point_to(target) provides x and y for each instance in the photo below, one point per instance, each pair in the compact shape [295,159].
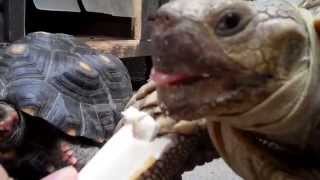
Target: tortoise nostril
[169,19]
[152,17]
[165,19]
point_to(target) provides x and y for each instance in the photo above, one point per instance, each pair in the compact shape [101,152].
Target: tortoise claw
[68,154]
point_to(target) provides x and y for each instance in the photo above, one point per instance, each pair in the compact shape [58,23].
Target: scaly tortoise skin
[251,70]
[191,147]
[63,91]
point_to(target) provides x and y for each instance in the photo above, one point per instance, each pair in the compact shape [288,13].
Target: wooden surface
[142,10]
[137,19]
[120,47]
[136,45]
[140,44]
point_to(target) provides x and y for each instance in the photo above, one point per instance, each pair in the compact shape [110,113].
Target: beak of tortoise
[9,120]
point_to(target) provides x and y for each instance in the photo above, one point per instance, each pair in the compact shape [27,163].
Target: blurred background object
[119,27]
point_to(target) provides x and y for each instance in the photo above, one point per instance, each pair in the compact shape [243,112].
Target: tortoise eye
[230,23]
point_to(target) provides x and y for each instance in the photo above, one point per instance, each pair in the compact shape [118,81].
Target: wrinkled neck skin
[296,102]
[293,122]
[283,116]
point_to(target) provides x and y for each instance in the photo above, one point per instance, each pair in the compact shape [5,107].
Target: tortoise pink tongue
[164,79]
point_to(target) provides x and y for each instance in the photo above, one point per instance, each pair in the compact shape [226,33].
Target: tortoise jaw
[192,97]
[253,157]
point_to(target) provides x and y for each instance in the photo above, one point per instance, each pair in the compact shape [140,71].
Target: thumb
[3,174]
[68,173]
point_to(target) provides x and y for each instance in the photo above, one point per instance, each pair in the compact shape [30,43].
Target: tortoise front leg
[186,153]
[191,143]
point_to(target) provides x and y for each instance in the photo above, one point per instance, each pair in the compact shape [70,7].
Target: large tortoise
[250,70]
[60,100]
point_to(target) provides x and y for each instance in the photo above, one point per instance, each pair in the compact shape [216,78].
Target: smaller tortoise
[60,100]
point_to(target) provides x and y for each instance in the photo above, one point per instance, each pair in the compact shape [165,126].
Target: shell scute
[68,84]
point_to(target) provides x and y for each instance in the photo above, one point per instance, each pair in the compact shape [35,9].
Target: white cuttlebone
[129,152]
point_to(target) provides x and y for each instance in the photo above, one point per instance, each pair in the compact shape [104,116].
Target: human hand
[3,174]
[68,173]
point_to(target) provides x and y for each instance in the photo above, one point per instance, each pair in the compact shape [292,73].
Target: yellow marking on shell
[30,111]
[85,67]
[18,49]
[148,165]
[72,132]
[105,59]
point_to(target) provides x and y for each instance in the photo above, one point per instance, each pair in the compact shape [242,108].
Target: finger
[68,173]
[3,174]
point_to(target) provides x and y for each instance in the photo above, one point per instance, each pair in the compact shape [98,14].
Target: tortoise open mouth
[196,95]
[255,157]
[180,81]
[164,79]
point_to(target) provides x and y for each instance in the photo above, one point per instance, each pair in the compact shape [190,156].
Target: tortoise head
[220,60]
[223,57]
[10,125]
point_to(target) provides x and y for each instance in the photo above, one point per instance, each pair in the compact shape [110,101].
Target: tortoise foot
[68,155]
